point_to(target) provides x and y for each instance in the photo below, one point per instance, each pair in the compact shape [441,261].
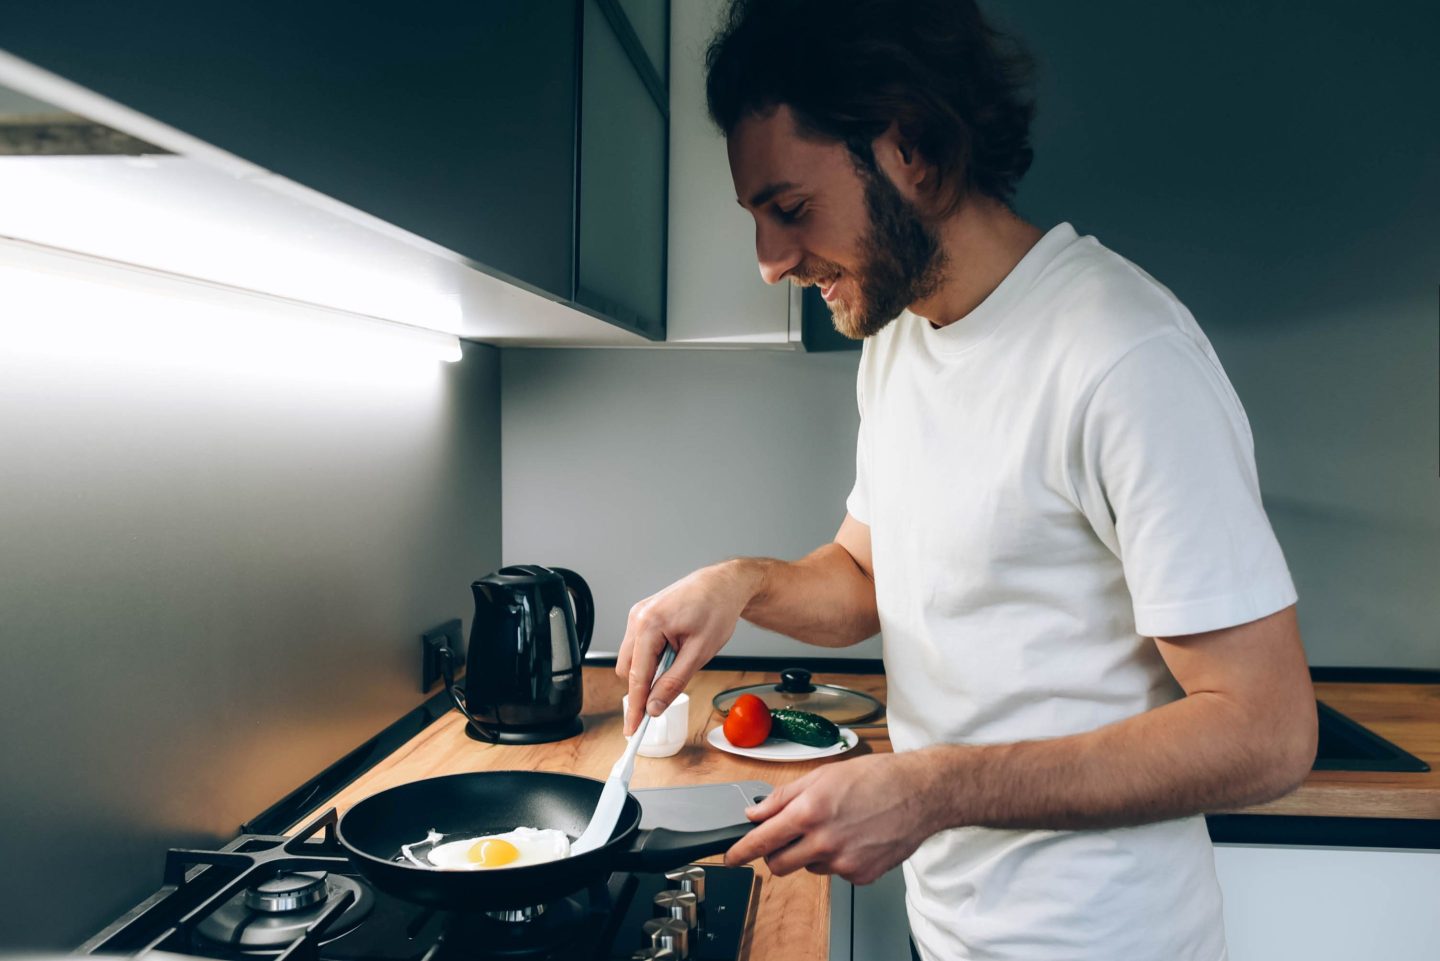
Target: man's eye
[790,214]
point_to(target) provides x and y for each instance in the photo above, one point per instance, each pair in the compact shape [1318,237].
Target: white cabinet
[715,294]
[1282,902]
[868,923]
[1329,904]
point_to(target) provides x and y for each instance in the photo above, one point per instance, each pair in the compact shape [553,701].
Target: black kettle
[532,629]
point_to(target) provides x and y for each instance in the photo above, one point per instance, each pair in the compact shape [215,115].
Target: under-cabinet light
[59,303]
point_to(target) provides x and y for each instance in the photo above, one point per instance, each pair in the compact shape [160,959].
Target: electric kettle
[522,670]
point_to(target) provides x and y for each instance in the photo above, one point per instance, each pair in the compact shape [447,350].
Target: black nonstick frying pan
[492,802]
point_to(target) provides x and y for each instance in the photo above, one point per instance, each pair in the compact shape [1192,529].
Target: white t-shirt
[1051,481]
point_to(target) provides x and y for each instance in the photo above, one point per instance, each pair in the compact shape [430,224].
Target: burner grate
[198,882]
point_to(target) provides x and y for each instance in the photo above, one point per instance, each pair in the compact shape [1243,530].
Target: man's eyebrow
[766,192]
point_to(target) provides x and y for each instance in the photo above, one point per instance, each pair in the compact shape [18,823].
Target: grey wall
[212,582]
[635,467]
[1273,163]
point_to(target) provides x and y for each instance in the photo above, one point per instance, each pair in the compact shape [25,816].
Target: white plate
[773,750]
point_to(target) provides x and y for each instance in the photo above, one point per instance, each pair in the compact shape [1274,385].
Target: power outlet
[447,635]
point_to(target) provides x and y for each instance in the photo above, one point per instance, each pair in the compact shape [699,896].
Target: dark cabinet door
[624,153]
[651,20]
[817,325]
[455,121]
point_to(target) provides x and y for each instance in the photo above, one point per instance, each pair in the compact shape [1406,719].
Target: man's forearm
[824,598]
[1198,754]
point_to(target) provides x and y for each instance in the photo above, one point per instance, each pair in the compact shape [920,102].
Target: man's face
[821,220]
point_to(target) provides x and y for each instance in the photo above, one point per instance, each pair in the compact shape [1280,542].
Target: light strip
[59,303]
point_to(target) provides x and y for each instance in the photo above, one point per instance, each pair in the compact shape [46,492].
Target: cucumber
[803,727]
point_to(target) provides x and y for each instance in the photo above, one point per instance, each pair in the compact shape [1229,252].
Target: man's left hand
[857,818]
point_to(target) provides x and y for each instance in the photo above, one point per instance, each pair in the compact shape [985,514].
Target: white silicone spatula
[617,785]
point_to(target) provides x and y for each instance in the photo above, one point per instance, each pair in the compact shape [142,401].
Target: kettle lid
[515,575]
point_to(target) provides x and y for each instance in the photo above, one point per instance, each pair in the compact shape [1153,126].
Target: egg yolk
[492,853]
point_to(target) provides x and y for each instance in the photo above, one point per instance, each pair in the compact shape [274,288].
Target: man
[1089,629]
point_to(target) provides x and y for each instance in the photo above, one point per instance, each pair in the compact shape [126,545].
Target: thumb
[672,682]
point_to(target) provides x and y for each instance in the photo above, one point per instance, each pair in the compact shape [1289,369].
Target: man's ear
[898,156]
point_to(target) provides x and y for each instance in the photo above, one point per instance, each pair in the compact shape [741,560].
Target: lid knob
[795,680]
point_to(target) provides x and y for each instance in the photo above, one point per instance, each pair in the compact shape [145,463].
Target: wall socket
[449,634]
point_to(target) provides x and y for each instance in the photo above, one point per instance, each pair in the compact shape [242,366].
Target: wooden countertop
[1405,714]
[792,913]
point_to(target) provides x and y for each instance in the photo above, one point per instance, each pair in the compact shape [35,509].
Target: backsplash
[212,584]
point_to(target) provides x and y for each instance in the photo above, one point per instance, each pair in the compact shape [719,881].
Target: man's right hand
[696,615]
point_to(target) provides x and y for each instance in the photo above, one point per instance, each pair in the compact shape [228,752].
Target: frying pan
[490,802]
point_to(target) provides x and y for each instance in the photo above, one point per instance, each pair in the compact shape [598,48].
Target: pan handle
[659,849]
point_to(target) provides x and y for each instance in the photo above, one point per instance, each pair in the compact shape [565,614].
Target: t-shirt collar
[982,321]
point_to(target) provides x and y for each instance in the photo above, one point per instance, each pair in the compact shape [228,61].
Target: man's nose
[778,254]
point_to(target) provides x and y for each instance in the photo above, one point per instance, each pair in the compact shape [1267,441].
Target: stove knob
[668,934]
[680,905]
[690,878]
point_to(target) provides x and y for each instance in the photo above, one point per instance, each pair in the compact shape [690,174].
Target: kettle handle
[584,606]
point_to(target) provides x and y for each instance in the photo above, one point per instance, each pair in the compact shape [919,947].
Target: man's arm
[825,598]
[1244,733]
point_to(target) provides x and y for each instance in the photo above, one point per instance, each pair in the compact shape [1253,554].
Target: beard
[901,261]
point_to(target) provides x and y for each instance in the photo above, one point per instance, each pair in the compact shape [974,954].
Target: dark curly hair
[847,69]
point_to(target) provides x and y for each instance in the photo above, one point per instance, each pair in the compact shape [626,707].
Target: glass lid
[796,692]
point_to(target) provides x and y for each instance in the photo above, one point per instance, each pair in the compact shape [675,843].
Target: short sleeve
[857,505]
[1165,470]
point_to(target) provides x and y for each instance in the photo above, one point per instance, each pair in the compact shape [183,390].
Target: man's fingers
[802,854]
[643,657]
[770,836]
[627,644]
[777,799]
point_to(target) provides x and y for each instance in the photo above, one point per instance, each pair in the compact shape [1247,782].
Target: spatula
[617,785]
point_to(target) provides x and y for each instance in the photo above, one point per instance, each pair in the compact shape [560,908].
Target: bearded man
[1089,629]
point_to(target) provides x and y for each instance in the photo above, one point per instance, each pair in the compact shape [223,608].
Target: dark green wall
[1268,164]
[1277,165]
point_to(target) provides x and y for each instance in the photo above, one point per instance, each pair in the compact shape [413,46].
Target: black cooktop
[298,899]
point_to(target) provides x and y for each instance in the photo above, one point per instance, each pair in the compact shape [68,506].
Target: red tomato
[748,723]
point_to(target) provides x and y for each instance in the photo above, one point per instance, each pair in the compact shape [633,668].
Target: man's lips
[828,290]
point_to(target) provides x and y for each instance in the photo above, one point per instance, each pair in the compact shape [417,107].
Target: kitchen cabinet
[651,21]
[523,137]
[1329,904]
[1281,901]
[715,294]
[623,151]
[817,326]
[868,922]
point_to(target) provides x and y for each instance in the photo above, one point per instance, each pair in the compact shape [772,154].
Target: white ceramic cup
[666,734]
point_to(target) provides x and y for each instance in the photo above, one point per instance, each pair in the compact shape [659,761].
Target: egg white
[536,846]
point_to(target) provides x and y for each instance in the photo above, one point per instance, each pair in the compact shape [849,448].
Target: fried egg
[511,849]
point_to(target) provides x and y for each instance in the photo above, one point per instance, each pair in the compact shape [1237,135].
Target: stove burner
[525,933]
[288,892]
[517,915]
[266,918]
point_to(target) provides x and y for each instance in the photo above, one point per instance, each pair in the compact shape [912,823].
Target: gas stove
[298,899]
